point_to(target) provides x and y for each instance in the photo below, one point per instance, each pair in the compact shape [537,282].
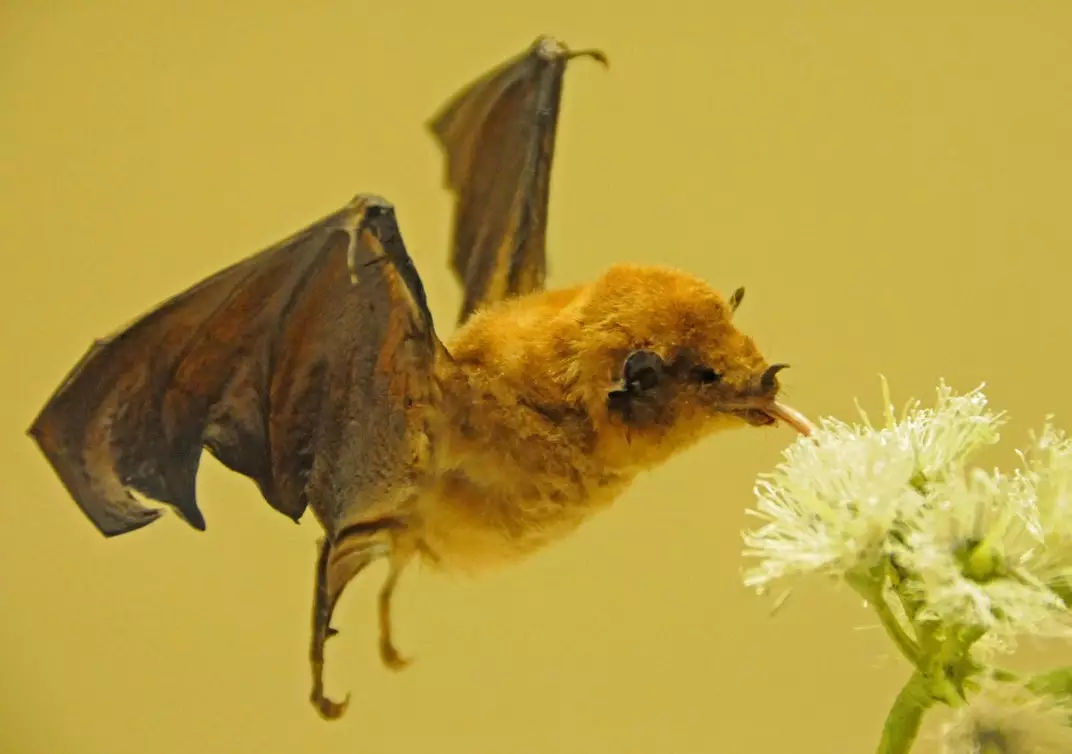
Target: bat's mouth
[774,413]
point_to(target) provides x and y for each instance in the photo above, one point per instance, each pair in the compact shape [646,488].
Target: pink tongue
[792,417]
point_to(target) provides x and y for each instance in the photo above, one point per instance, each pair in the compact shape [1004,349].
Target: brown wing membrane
[264,364]
[498,137]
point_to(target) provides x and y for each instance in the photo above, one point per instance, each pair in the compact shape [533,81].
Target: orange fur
[531,449]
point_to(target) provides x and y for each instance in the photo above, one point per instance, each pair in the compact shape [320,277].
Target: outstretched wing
[498,138]
[268,363]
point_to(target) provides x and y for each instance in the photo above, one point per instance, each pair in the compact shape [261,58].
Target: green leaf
[1062,590]
[1056,683]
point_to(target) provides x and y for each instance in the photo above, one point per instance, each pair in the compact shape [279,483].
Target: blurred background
[890,184]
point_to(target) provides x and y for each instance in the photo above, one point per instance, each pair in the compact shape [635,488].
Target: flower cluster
[979,549]
[1007,717]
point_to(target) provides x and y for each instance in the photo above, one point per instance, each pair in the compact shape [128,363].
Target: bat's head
[664,365]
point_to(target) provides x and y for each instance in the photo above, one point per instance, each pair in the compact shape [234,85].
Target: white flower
[976,560]
[1006,718]
[992,550]
[833,502]
[978,549]
[946,436]
[830,505]
[1047,483]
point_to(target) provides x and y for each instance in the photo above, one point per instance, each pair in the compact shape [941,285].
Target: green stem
[893,627]
[905,716]
[872,592]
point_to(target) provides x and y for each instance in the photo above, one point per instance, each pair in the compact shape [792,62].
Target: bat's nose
[767,380]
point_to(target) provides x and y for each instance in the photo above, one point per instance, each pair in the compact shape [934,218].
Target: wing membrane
[242,363]
[498,137]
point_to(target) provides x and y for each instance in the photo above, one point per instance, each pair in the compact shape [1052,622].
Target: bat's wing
[309,367]
[498,138]
[267,364]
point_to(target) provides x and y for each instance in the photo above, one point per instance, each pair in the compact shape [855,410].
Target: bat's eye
[642,370]
[707,375]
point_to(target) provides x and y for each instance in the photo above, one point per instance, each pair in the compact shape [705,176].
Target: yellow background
[890,184]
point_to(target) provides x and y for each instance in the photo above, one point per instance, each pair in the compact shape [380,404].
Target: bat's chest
[470,526]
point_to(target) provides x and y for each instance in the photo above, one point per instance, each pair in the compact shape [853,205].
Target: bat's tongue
[790,416]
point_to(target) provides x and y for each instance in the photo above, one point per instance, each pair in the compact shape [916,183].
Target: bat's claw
[597,55]
[391,657]
[328,708]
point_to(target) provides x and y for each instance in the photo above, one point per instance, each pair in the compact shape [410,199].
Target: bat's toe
[328,708]
[391,657]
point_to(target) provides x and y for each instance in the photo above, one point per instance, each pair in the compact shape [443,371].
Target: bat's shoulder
[516,325]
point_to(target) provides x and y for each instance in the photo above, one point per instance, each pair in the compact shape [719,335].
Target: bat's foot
[328,708]
[388,654]
[391,657]
[325,595]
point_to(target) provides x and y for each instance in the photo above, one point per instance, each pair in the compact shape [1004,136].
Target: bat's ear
[736,298]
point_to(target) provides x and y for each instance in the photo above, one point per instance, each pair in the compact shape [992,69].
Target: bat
[314,369]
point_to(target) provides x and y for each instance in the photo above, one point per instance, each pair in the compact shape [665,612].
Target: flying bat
[314,368]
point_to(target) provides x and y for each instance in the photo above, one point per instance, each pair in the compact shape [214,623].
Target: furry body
[530,448]
[314,369]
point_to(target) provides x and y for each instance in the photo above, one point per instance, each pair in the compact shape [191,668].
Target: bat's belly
[467,528]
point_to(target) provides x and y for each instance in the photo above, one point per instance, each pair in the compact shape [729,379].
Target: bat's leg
[388,652]
[332,575]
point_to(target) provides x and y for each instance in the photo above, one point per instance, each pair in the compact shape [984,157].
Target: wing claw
[550,48]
